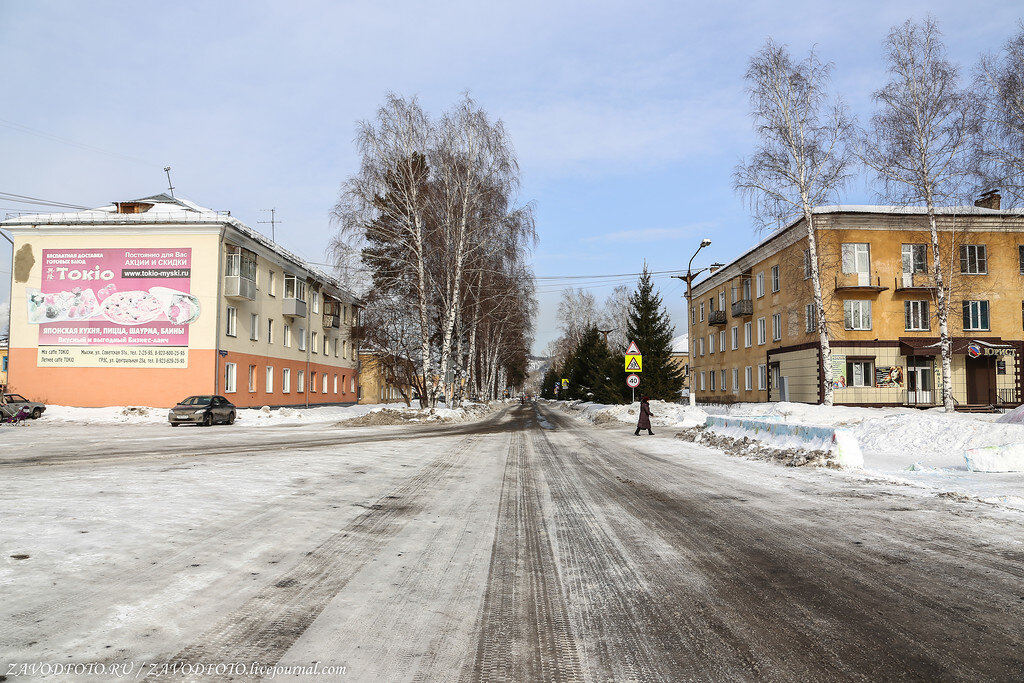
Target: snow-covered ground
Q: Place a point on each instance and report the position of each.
(921, 447)
(257, 417)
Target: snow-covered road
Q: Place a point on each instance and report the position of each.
(525, 546)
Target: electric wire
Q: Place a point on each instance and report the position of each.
(21, 128)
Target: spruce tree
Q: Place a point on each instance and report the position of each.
(651, 329)
(587, 367)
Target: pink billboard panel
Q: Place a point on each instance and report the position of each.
(114, 297)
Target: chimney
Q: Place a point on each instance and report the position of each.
(989, 200)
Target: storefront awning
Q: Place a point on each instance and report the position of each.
(929, 346)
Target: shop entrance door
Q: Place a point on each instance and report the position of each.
(919, 381)
(981, 380)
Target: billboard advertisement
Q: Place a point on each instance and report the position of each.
(114, 307)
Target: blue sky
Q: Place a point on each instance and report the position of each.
(627, 119)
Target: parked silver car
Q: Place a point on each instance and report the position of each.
(202, 410)
(18, 401)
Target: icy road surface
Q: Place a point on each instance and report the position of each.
(527, 546)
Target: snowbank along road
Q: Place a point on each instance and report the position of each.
(527, 546)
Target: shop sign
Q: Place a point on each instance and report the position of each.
(838, 371)
(114, 307)
(890, 377)
(974, 350)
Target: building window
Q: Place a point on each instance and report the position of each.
(735, 293)
(724, 385)
(915, 258)
(746, 289)
(352, 383)
(762, 377)
(300, 381)
(287, 335)
(776, 282)
(857, 315)
(232, 321)
(1020, 257)
(335, 384)
(230, 375)
(286, 380)
(302, 340)
(323, 383)
(270, 330)
(735, 338)
(312, 382)
(807, 263)
(973, 259)
(271, 283)
(859, 373)
(294, 288)
(254, 327)
(701, 344)
(269, 388)
(735, 380)
(721, 300)
(761, 331)
(976, 315)
(702, 377)
(721, 341)
(713, 376)
(316, 302)
(711, 304)
(327, 346)
(693, 315)
(337, 345)
(748, 377)
(702, 311)
(760, 285)
(252, 378)
(916, 316)
(748, 335)
(776, 327)
(312, 345)
(811, 318)
(856, 258)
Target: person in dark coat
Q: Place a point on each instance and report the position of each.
(645, 417)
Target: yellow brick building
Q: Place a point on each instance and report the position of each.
(753, 334)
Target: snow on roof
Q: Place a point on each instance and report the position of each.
(168, 209)
(681, 344)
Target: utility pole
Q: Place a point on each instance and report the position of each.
(167, 170)
(606, 333)
(688, 278)
(273, 223)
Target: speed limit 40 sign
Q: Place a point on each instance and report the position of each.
(633, 381)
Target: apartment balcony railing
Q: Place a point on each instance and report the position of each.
(744, 308)
(864, 283)
(915, 282)
(295, 308)
(717, 318)
(331, 321)
(239, 287)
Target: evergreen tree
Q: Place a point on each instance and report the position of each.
(651, 329)
(547, 385)
(586, 370)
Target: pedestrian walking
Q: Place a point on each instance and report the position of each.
(645, 417)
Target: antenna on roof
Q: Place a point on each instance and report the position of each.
(273, 222)
(167, 170)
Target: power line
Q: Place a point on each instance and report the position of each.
(25, 199)
(21, 128)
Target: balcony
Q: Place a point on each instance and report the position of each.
(859, 283)
(717, 318)
(331, 321)
(238, 287)
(295, 308)
(915, 283)
(744, 308)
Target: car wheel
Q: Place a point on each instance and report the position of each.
(36, 412)
(231, 418)
(208, 419)
(175, 424)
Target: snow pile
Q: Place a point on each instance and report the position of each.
(663, 414)
(1008, 458)
(392, 415)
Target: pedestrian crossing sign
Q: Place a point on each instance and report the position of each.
(634, 363)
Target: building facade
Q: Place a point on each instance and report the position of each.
(377, 384)
(149, 301)
(754, 334)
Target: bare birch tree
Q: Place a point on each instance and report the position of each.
(919, 145)
(999, 148)
(803, 159)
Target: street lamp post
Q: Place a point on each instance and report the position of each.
(690, 274)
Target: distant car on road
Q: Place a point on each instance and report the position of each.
(202, 410)
(18, 401)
